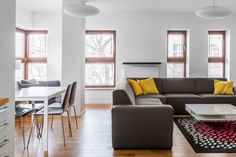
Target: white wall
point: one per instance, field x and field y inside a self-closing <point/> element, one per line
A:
<point x="23" y="18"/>
<point x="98" y="96"/>
<point x="73" y="30"/>
<point x="143" y="36"/>
<point x="7" y="62"/>
<point x="53" y="23"/>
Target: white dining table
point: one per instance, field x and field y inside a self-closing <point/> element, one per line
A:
<point x="40" y="94"/>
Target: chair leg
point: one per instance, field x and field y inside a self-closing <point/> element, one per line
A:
<point x="37" y="127"/>
<point x="20" y="123"/>
<point x="63" y="131"/>
<point x="52" y="122"/>
<point x="41" y="128"/>
<point x="68" y="117"/>
<point x="23" y="130"/>
<point x="75" y="116"/>
<point x="32" y="125"/>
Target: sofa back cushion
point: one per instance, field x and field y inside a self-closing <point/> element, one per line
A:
<point x="159" y="85"/>
<point x="206" y="85"/>
<point x="179" y="85"/>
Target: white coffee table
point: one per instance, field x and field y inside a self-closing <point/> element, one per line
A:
<point x="211" y="112"/>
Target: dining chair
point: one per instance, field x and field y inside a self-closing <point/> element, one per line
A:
<point x="58" y="111"/>
<point x="24" y="110"/>
<point x="71" y="105"/>
<point x="72" y="101"/>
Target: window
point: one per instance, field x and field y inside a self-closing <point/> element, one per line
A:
<point x="216" y="54"/>
<point x="176" y="58"/>
<point x="31" y="54"/>
<point x="100" y="51"/>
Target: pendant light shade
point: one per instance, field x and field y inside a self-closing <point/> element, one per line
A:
<point x="81" y="10"/>
<point x="213" y="12"/>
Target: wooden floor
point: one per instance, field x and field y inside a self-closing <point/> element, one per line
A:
<point x="93" y="139"/>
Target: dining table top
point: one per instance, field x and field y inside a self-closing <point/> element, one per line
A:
<point x="39" y="92"/>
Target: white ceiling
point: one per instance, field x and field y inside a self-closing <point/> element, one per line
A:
<point x="128" y="5"/>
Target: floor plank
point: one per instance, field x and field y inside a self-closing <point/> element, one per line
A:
<point x="93" y="139"/>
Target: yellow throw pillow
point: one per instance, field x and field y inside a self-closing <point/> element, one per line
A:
<point x="223" y="87"/>
<point x="148" y="86"/>
<point x="136" y="87"/>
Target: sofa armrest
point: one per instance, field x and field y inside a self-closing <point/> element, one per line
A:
<point x="123" y="94"/>
<point x="142" y="126"/>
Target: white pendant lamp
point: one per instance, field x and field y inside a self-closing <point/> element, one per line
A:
<point x="81" y="10"/>
<point x="213" y="12"/>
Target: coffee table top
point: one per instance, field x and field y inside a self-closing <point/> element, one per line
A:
<point x="212" y="111"/>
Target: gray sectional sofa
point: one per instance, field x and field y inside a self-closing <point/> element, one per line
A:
<point x="174" y="91"/>
<point x="147" y="121"/>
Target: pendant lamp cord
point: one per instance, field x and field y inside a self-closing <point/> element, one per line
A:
<point x="214" y="3"/>
<point x="83" y="1"/>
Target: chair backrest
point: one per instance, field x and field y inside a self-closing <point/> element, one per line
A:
<point x="72" y="94"/>
<point x="65" y="103"/>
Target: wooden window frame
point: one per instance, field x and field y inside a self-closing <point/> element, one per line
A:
<point x="26" y="60"/>
<point x="103" y="59"/>
<point x="218" y="59"/>
<point x="178" y="59"/>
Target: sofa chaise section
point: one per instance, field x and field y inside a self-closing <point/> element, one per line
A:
<point x="142" y="126"/>
<point x="140" y="122"/>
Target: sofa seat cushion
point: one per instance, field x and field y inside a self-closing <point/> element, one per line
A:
<point x="219" y="99"/>
<point x="148" y="101"/>
<point x="156" y="96"/>
<point x="178" y="101"/>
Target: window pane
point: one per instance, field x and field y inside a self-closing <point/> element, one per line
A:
<point x="215" y="70"/>
<point x="37" y="45"/>
<point x="37" y="71"/>
<point x="175" y="70"/>
<point x="19" y="71"/>
<point x="99" y="74"/>
<point x="99" y="45"/>
<point x="175" y="45"/>
<point x="215" y="45"/>
<point x="20" y="44"/>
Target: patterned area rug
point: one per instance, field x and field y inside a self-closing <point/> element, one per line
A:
<point x="209" y="137"/>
